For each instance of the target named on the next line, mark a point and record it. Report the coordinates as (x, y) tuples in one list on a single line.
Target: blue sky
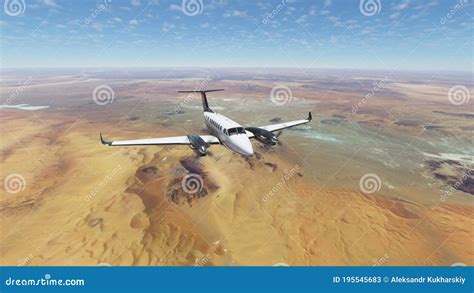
[(366, 34)]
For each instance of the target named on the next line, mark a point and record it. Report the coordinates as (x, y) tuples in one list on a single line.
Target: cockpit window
[(236, 130)]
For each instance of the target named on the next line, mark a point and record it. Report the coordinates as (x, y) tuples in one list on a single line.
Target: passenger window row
[(230, 131), (217, 125)]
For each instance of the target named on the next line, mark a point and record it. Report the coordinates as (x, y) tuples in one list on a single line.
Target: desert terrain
[(69, 200)]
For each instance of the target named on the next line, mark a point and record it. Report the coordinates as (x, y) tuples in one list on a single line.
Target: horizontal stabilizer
[(201, 91), (205, 105)]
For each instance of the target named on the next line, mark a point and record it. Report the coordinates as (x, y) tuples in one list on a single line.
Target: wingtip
[(105, 142), (310, 116)]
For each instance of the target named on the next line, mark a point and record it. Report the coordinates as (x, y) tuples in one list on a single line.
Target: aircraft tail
[(205, 105)]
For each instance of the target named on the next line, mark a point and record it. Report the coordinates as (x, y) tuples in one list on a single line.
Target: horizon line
[(237, 67)]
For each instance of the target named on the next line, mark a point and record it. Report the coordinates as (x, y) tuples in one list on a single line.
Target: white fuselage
[(229, 132)]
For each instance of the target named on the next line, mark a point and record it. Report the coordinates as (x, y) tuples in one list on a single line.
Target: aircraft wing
[(280, 126), (173, 140)]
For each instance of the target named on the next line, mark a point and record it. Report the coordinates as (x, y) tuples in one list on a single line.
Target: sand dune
[(78, 202), (88, 204)]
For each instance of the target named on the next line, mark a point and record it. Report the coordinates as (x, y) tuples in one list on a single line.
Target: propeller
[(277, 134), (275, 140)]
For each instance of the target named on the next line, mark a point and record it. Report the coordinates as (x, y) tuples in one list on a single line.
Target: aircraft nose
[(247, 149)]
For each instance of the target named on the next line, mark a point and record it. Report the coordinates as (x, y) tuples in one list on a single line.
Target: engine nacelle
[(198, 144), (263, 136)]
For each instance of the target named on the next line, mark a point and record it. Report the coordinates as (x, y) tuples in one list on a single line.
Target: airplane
[(223, 131)]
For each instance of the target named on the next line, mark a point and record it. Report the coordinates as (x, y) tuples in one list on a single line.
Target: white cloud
[(353, 26), (264, 6), (167, 27), (401, 6), (50, 3), (235, 13), (175, 7), (335, 20), (302, 19), (395, 15), (133, 22), (135, 3), (97, 26), (217, 3)]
